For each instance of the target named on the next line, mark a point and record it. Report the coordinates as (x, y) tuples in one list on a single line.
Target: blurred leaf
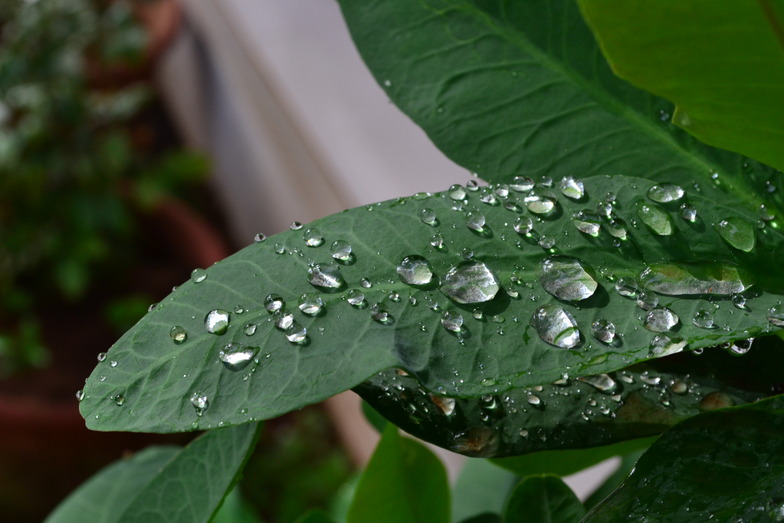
[(315, 516), (625, 467), (373, 417), (481, 489), (235, 509), (543, 499)]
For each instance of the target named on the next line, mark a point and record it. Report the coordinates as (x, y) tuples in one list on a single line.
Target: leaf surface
[(543, 499), (722, 65), (721, 465)]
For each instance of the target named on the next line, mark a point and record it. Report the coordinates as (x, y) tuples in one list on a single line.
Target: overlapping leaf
[(170, 383)]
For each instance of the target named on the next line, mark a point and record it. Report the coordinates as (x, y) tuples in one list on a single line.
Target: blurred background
[(139, 140)]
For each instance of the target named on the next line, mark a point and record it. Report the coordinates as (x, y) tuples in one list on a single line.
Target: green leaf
[(171, 386), (235, 509), (481, 488), (373, 417), (627, 464), (403, 482), (163, 483), (543, 499), (725, 466), (521, 88), (722, 65), (315, 516)]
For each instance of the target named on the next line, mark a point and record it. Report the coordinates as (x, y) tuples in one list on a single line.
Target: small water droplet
[(470, 282), (764, 213), (198, 275), (200, 402), (250, 329), (280, 249), (540, 201), (739, 301), (665, 193), (79, 395), (627, 288), (556, 326), (326, 276), (217, 321), (601, 382), (688, 212), (587, 222), (546, 242), (660, 319), (428, 217), (282, 319), (656, 219), (457, 192), (571, 188), (273, 303), (666, 343), (365, 283), (475, 221), (310, 304), (444, 404), (523, 225), (356, 299), (313, 238), (472, 185), (566, 278), (178, 334), (437, 241), (452, 321), (381, 315), (647, 300), (603, 330), (738, 233), (296, 333), (113, 363), (535, 400), (521, 184), (295, 226), (776, 315), (703, 319), (340, 250), (119, 399), (237, 356), (487, 196), (260, 237), (415, 270)]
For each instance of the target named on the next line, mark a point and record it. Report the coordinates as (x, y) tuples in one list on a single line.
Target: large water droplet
[(310, 304), (523, 225), (475, 221), (660, 319), (737, 232), (566, 278), (198, 275), (470, 282), (340, 250), (200, 402), (703, 319), (556, 326), (313, 237), (428, 217), (776, 315), (456, 192), (587, 222), (236, 356), (656, 219), (217, 321), (572, 188), (521, 184), (178, 334), (603, 330), (666, 343), (452, 321), (540, 201), (326, 276), (273, 303), (665, 192), (681, 279), (415, 270)]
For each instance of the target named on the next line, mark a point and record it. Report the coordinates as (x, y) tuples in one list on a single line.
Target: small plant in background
[(604, 289), (76, 165)]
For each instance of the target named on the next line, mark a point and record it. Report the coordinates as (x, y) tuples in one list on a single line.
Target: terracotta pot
[(45, 450)]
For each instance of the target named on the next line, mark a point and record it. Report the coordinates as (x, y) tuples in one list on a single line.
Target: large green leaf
[(521, 88), (543, 499), (403, 483), (721, 63), (481, 488), (166, 484), (171, 384), (726, 465)]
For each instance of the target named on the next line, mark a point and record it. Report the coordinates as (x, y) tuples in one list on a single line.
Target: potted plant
[(603, 290)]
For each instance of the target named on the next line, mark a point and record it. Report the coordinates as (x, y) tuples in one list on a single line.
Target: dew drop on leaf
[(310, 304), (437, 241), (200, 402), (428, 217), (738, 233), (326, 276), (178, 334), (217, 321), (571, 188), (688, 212), (470, 282), (521, 184), (444, 404), (250, 329), (556, 326), (523, 225), (475, 221), (340, 250), (627, 288), (740, 347), (119, 399), (236, 356), (282, 319), (666, 343), (456, 192), (260, 237), (79, 395), (647, 300), (566, 278), (776, 315), (198, 275), (356, 299), (587, 222), (295, 226), (296, 333), (601, 382), (665, 193), (452, 321), (540, 201), (603, 330), (655, 218), (703, 319), (660, 319), (678, 279), (273, 303), (381, 315), (415, 270)]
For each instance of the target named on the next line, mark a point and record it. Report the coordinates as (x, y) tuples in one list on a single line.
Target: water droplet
[(688, 212), (280, 249), (665, 192), (236, 356), (601, 382), (738, 233), (660, 319), (587, 222), (540, 201), (546, 181), (535, 400), (113, 363), (283, 320), (313, 238), (703, 319), (627, 288), (605, 209), (415, 270), (119, 399), (452, 321), (776, 315), (475, 221), (365, 283), (295, 226), (487, 196), (739, 301), (470, 282), (740, 347), (198, 275), (681, 279), (340, 250), (217, 321), (250, 329), (571, 188), (394, 296), (296, 333), (444, 404), (472, 185), (546, 242), (437, 241), (310, 304), (457, 192), (79, 395), (603, 330), (566, 278), (178, 334), (501, 190), (326, 276), (200, 402), (381, 315), (356, 298), (428, 217), (617, 229), (656, 219), (764, 213), (260, 237), (521, 184), (523, 225), (273, 303), (666, 343), (647, 301), (556, 326)]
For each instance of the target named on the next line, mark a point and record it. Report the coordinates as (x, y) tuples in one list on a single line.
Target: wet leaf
[(543, 499), (694, 53), (724, 465)]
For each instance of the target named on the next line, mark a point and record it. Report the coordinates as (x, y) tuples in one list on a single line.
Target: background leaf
[(723, 465), (722, 65), (627, 464), (171, 384), (481, 488), (543, 499), (164, 483), (403, 482)]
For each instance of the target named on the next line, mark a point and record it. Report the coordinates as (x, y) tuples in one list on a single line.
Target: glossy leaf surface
[(543, 499), (171, 383), (724, 465), (722, 65)]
